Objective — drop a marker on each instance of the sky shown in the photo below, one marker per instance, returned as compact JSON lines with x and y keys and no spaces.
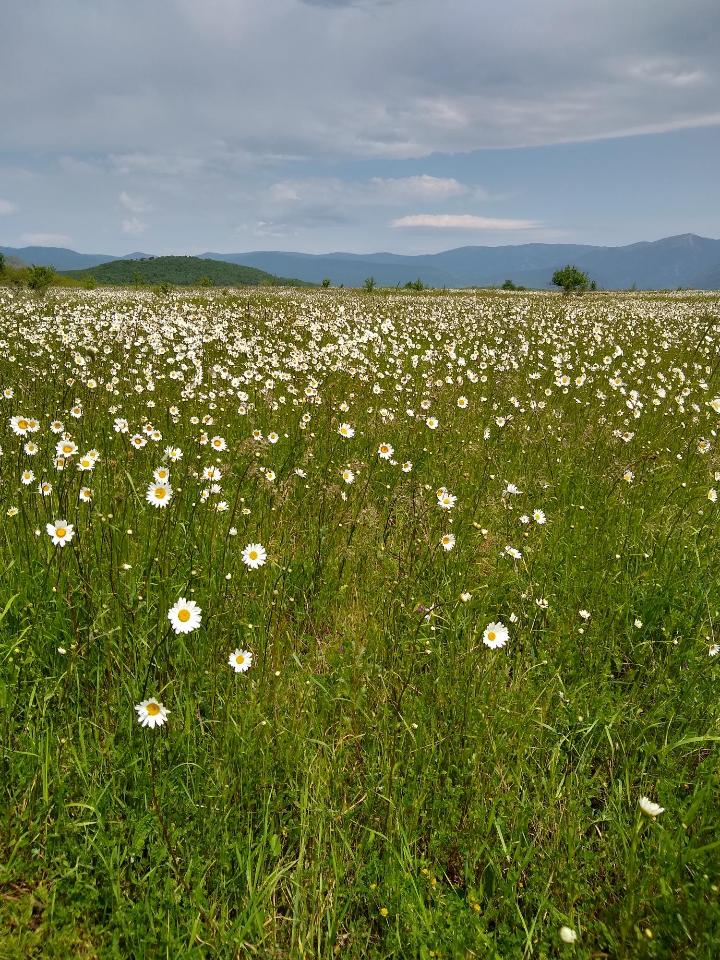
{"x":186,"y":126}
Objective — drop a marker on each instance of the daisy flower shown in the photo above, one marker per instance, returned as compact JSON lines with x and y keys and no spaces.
{"x":649,"y":808}
{"x":448,"y":541}
{"x":496,"y":635}
{"x":159,"y":494}
{"x":218,"y":443}
{"x":151,"y":713}
{"x":240,"y":660}
{"x":539,"y":517}
{"x":254,"y":555}
{"x":61,"y":532}
{"x":161,"y":475}
{"x":385,"y":451}
{"x":347,"y":475}
{"x":185,"y":616}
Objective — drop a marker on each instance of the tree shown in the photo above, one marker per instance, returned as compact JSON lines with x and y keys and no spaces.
{"x":415,"y":285}
{"x":40,"y":278}
{"x":326,"y":283}
{"x":2,"y":262}
{"x":570,"y":279}
{"x":369,"y":285}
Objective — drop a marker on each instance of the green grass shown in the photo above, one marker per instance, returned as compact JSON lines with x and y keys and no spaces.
{"x":184,"y":271}
{"x":380,"y":783}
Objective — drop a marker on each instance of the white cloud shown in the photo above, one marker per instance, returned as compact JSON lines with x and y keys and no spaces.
{"x":462,"y":221}
{"x":133,"y":204}
{"x":133,"y":226}
{"x":46,"y":239}
{"x":6,"y":208}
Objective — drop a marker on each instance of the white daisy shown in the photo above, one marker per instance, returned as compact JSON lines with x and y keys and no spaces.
{"x":240,"y":660}
{"x":185,"y":616}
{"x":151,"y":713}
{"x":496,"y":635}
{"x":254,"y":555}
{"x":61,"y":532}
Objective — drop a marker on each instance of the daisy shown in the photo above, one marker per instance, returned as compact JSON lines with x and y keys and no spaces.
{"x":446,"y":500}
{"x":649,"y":808}
{"x":407,"y":466}
{"x":218,"y":443}
{"x":159,"y":494}
{"x":138,"y":441}
{"x":347,"y":475}
{"x":161,"y":475}
{"x":61,"y":532}
{"x":85,"y":494}
{"x":448,"y":541}
{"x":185,"y":616}
{"x":345,"y":430}
{"x":65,"y":448}
{"x":45,"y":488}
{"x":57,"y":426}
{"x":254,"y":555}
{"x":20,"y":426}
{"x":462,"y":402}
{"x":496,"y":635}
{"x":240,"y":660}
{"x":27,"y":477}
{"x":539,"y":517}
{"x":212,"y":473}
{"x":385,"y":451}
{"x":273,"y":437}
{"x":568,"y":935}
{"x":432,"y":423}
{"x":151,"y":713}
{"x":173,"y":453}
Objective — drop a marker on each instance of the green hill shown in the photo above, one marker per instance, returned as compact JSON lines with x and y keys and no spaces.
{"x":181,"y":271}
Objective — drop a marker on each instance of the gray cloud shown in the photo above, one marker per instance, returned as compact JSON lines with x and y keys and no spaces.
{"x":168,"y":84}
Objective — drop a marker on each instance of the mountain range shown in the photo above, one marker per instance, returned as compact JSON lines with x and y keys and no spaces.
{"x":686,"y":261}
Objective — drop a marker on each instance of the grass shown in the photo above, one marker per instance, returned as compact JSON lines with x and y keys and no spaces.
{"x":380,"y":783}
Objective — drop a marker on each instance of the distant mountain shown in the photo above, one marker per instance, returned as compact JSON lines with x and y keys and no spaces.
{"x":183,"y":271}
{"x":682,"y":261}
{"x":61,"y":258}
{"x":685,"y":261}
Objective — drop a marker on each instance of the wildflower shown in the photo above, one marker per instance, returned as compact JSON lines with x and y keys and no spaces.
{"x":27,"y":477}
{"x":85,"y":494}
{"x":61,"y":532}
{"x":714,"y":650}
{"x":628,"y":476}
{"x":20,"y":426}
{"x":65,"y":448}
{"x":649,"y":808}
{"x":462,"y":402}
{"x":585,"y":614}
{"x":512,"y":552}
{"x":159,"y":494}
{"x":254,"y":555}
{"x":185,"y":616}
{"x":447,"y":542}
{"x":432,"y":423}
{"x":240,"y":660}
{"x":273,"y":437}
{"x":385,"y":451}
{"x":712,"y":495}
{"x":407,"y":466}
{"x":446,"y":500}
{"x":539,"y":517}
{"x":496,"y":635}
{"x":218,"y":443}
{"x":45,"y":488}
{"x":465,"y":596}
{"x":511,"y":490}
{"x":161,"y":475}
{"x":151,"y":713}
{"x":347,"y":475}
{"x":568,"y":935}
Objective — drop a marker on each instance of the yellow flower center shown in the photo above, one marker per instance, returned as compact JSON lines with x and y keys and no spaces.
{"x":239,"y":659}
{"x":160,"y":492}
{"x":253,"y":554}
{"x":184,"y":615}
{"x":491,"y":635}
{"x":152,"y":709}
{"x":60,"y":531}
{"x":23,"y":424}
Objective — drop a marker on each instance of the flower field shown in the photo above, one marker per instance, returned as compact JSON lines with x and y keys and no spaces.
{"x":359,"y":625}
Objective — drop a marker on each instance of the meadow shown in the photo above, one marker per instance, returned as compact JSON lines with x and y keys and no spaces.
{"x":359,"y":625}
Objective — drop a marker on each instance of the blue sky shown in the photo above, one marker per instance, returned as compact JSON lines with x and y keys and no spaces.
{"x":359,"y":125}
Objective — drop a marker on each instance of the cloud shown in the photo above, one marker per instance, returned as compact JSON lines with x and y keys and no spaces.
{"x":7,"y":208}
{"x":133,"y":226}
{"x":462,"y":221}
{"x":46,"y":239}
{"x":133,"y":204}
{"x":412,"y":79}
